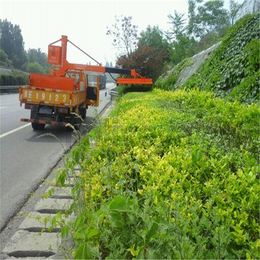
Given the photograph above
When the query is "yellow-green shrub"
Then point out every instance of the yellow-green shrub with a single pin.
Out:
(171, 175)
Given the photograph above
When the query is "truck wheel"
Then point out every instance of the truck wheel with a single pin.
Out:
(36, 126)
(83, 112)
(75, 121)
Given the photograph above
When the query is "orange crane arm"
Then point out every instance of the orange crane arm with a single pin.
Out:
(58, 56)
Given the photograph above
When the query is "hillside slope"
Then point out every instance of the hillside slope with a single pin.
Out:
(233, 68)
(175, 77)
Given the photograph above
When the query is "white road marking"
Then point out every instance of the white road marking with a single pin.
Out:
(2, 107)
(14, 130)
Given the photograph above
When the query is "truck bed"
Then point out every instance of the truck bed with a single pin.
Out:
(51, 97)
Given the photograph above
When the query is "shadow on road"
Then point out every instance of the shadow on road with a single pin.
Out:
(59, 134)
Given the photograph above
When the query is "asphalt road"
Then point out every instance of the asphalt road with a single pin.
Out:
(25, 157)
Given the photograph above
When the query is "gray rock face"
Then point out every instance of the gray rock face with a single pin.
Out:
(188, 71)
(196, 60)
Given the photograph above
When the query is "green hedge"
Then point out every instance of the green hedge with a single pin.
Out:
(172, 175)
(6, 80)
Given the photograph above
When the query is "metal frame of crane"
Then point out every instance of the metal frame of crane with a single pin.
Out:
(57, 55)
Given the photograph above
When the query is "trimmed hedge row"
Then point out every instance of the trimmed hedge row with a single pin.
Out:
(6, 80)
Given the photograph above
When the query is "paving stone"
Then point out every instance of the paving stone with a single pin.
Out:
(53, 205)
(35, 222)
(76, 172)
(64, 192)
(31, 244)
(70, 181)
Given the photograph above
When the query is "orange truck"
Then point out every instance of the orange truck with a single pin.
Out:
(63, 96)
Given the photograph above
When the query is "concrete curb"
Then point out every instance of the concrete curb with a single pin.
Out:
(34, 239)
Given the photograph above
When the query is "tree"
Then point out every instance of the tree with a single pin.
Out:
(153, 37)
(124, 33)
(234, 8)
(151, 54)
(6, 40)
(182, 45)
(34, 67)
(35, 55)
(11, 42)
(178, 27)
(18, 50)
(191, 15)
(4, 61)
(149, 58)
(207, 17)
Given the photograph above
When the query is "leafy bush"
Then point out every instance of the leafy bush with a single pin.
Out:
(171, 175)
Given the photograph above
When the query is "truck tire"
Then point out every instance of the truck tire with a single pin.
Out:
(75, 121)
(83, 112)
(36, 126)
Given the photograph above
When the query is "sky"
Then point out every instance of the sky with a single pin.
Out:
(85, 22)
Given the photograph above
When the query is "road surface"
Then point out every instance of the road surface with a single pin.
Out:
(26, 158)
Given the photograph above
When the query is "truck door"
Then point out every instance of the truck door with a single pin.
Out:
(92, 93)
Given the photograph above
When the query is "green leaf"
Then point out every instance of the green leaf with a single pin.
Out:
(76, 154)
(59, 215)
(152, 232)
(61, 177)
(45, 220)
(117, 219)
(79, 221)
(54, 221)
(151, 254)
(65, 232)
(86, 251)
(119, 203)
(92, 233)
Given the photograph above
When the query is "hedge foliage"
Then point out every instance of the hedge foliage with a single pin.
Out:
(172, 175)
(16, 78)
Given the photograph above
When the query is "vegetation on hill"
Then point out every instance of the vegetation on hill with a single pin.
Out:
(233, 69)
